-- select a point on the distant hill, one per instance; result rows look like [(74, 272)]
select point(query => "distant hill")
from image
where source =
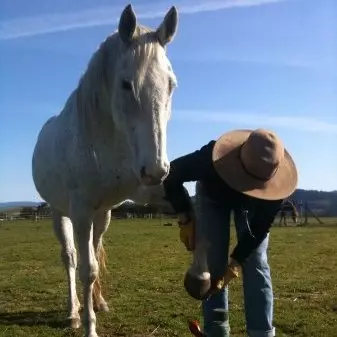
[(321, 202), (17, 204)]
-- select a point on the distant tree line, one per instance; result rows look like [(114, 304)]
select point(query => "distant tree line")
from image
[(128, 209), (320, 202)]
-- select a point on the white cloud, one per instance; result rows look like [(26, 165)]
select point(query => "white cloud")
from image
[(299, 123), (100, 16), (271, 58)]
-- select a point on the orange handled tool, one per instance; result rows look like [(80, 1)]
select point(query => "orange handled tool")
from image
[(195, 328)]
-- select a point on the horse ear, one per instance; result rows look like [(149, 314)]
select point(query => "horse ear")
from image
[(168, 27), (127, 24)]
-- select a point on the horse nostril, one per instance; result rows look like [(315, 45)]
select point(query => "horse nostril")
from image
[(143, 172), (154, 177)]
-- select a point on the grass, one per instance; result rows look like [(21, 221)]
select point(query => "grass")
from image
[(144, 285)]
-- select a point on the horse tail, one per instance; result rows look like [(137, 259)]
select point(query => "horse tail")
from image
[(102, 259), (102, 262)]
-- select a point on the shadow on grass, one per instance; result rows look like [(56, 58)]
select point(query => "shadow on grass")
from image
[(54, 319)]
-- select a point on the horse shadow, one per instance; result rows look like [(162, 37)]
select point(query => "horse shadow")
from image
[(54, 319)]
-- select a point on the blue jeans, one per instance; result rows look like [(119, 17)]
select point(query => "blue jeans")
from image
[(213, 221)]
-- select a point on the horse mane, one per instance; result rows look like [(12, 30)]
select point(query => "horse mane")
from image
[(93, 92), (93, 84)]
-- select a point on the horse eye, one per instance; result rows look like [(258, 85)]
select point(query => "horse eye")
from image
[(126, 85), (170, 85)]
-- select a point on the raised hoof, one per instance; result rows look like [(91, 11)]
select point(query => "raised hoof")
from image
[(74, 323)]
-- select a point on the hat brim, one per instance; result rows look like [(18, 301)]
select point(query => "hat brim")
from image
[(226, 161)]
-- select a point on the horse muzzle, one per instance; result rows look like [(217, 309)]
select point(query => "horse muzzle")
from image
[(201, 287), (197, 287)]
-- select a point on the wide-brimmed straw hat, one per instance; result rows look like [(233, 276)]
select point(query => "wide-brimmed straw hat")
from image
[(255, 162)]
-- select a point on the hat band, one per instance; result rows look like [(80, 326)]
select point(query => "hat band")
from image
[(264, 179)]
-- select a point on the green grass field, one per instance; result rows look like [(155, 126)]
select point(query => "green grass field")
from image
[(144, 284)]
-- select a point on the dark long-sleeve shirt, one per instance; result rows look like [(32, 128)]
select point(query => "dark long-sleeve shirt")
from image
[(198, 166)]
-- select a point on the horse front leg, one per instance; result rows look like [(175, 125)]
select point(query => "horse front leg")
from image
[(101, 224), (63, 230), (88, 268)]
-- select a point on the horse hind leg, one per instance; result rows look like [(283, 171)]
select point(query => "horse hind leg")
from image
[(101, 223), (64, 232)]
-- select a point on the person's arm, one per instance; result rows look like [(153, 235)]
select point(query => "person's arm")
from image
[(191, 167), (257, 230)]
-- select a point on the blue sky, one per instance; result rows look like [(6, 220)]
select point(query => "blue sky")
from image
[(239, 64)]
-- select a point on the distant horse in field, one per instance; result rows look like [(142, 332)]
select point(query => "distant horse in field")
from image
[(109, 139), (286, 207), (37, 211)]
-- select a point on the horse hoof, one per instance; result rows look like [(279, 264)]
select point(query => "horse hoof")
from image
[(74, 323), (102, 307)]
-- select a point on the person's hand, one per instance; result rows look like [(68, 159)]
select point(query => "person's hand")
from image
[(187, 231), (232, 272)]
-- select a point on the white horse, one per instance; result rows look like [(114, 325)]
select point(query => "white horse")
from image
[(109, 139)]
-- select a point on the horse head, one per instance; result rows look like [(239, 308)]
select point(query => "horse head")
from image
[(143, 85)]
